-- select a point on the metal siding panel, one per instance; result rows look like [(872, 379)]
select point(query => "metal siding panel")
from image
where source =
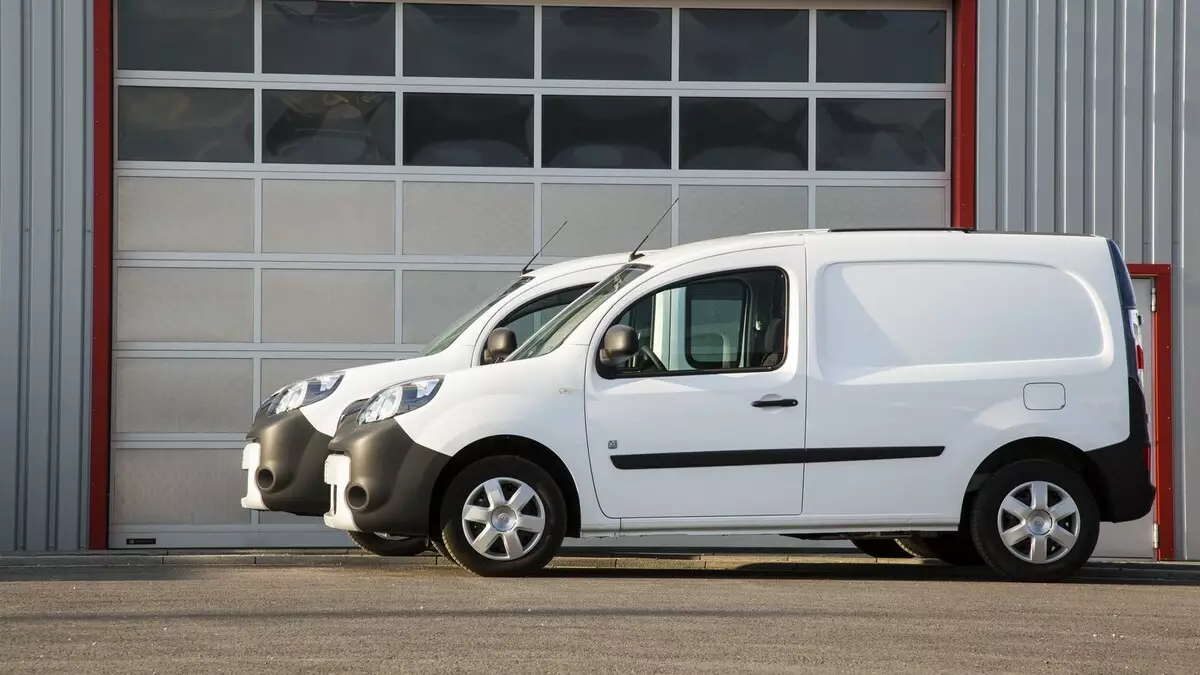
[(989, 55), (11, 109), (73, 168), (1014, 80), (1186, 282), (40, 300), (1160, 165), (1071, 210), (1101, 119), (1131, 144), (1043, 74)]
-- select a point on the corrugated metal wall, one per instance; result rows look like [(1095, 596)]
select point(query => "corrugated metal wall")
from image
[(1088, 122), (45, 134)]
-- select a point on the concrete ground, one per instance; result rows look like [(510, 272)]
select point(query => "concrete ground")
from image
[(582, 617)]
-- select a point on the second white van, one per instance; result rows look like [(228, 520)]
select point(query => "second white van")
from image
[(979, 391)]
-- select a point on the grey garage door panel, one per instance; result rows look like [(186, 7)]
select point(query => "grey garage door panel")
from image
[(603, 218), (432, 300), (707, 211), (455, 218), (882, 206), (334, 306), (329, 216), (185, 214), (166, 487), (182, 395), (162, 304)]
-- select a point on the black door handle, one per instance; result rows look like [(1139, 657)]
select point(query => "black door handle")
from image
[(775, 403)]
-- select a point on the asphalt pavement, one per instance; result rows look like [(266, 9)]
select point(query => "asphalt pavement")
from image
[(438, 619)]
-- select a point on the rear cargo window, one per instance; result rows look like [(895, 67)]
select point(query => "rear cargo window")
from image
[(872, 316)]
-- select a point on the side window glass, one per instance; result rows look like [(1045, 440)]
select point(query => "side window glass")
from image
[(735, 321), (528, 318)]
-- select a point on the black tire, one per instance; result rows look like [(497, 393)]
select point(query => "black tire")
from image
[(986, 522), (385, 546), (505, 468), (950, 548), (880, 548), (440, 547)]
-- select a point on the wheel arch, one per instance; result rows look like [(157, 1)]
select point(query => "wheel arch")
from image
[(519, 446), (1037, 447)]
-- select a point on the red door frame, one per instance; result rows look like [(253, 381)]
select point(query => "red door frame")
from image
[(1161, 422), (102, 229), (962, 215)]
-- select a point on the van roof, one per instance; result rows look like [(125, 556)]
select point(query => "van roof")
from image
[(743, 242)]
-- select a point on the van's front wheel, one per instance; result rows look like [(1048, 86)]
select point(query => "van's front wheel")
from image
[(503, 516), (1035, 520)]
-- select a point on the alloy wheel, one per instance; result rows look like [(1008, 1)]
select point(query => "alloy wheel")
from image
[(503, 518)]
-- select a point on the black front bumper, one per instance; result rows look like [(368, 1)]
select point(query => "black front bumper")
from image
[(291, 471), (392, 478)]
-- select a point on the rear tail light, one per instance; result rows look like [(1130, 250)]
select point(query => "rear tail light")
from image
[(1147, 458)]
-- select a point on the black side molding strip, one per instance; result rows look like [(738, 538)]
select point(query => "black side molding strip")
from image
[(693, 460)]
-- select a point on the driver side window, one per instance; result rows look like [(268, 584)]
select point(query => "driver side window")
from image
[(525, 320), (733, 321)]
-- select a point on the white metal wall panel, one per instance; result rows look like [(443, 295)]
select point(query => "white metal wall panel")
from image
[(45, 124), (1088, 123)]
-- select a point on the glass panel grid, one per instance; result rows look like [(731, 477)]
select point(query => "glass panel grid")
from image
[(673, 70)]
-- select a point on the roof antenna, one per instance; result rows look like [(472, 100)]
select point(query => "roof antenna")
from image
[(525, 269), (634, 255)]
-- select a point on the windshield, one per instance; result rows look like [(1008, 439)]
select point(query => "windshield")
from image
[(451, 334), (550, 336)]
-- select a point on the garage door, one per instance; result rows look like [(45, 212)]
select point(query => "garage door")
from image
[(302, 186)]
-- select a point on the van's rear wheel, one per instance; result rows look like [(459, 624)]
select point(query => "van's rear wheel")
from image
[(880, 548), (503, 516), (1035, 520), (389, 545)]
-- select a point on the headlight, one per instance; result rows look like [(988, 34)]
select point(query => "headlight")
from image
[(300, 394), (399, 399)]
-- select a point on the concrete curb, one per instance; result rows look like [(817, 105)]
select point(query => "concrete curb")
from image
[(799, 565)]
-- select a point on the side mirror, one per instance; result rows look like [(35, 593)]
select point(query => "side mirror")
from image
[(620, 344), (501, 342)]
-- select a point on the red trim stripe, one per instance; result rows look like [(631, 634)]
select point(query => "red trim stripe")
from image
[(102, 200), (962, 150)]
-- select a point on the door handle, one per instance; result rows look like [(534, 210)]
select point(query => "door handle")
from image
[(775, 403)]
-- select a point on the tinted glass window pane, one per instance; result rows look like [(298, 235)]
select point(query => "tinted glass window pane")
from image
[(174, 124), (329, 37), (881, 135), (186, 35), (606, 43), (468, 130), (743, 45), (881, 46), (606, 132), (468, 41), (329, 127), (769, 134)]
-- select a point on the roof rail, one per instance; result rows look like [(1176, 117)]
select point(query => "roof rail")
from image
[(898, 229)]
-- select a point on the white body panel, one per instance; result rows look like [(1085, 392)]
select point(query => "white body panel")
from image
[(893, 379)]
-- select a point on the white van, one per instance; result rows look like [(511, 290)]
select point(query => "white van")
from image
[(980, 392), (285, 454)]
